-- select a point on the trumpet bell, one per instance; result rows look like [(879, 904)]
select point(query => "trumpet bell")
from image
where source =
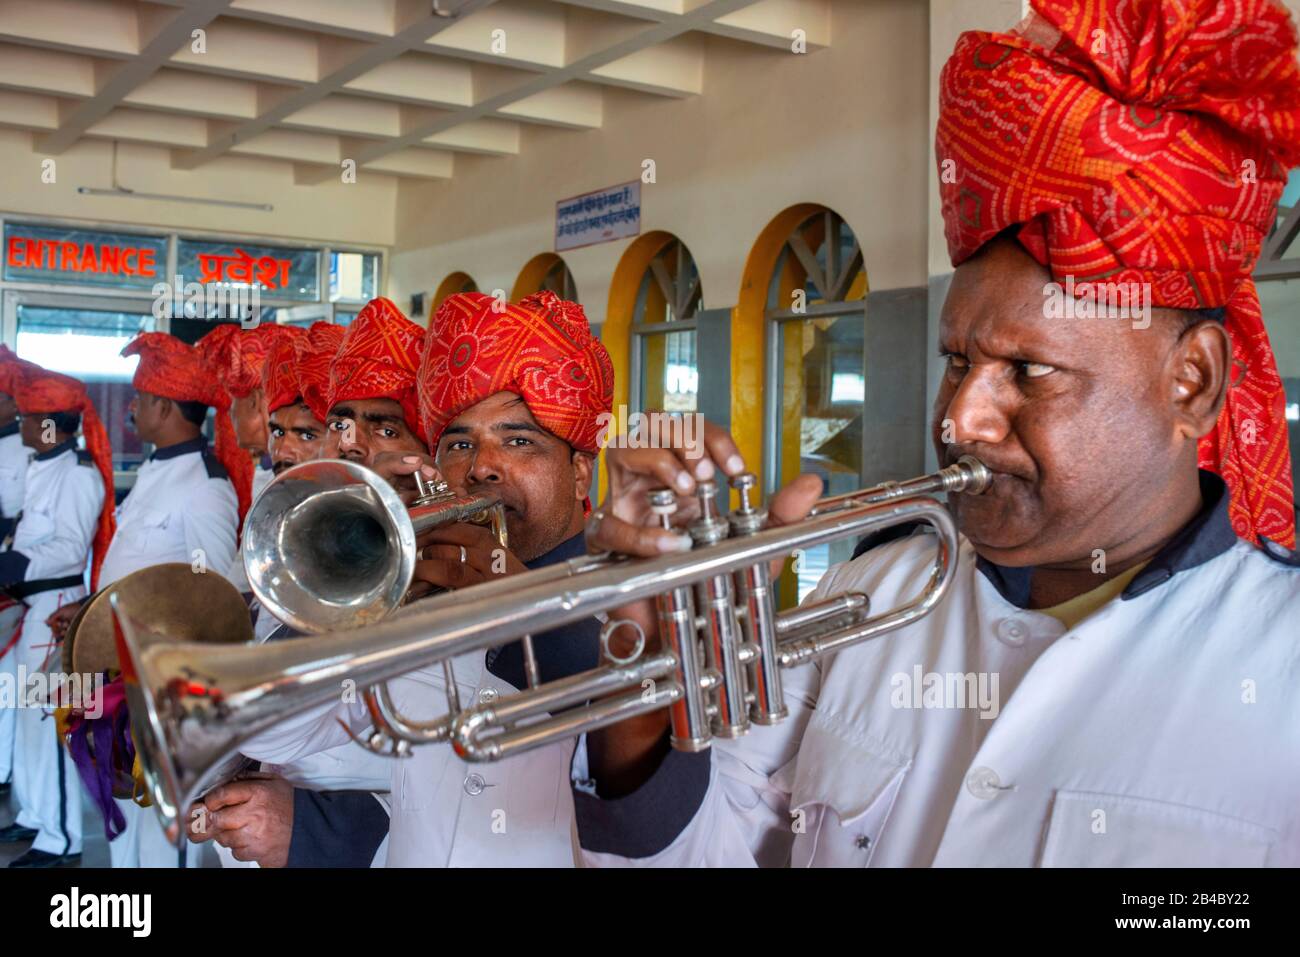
[(329, 545)]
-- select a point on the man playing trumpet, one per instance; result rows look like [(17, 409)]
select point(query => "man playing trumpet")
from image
[(1138, 613), (510, 399)]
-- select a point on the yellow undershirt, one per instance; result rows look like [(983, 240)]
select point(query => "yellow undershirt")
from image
[(1076, 609)]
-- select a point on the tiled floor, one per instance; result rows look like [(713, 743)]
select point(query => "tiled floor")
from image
[(94, 851)]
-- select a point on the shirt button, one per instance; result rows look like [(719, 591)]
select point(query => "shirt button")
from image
[(1011, 631), (487, 695), (983, 783), (474, 784)]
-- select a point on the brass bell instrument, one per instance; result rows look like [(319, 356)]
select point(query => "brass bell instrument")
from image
[(330, 545), (718, 669)]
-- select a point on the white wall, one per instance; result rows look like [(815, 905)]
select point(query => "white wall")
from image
[(844, 126), (361, 213)]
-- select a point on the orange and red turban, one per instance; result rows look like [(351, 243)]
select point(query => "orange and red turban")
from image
[(378, 359), (12, 369), (1138, 141), (541, 349), (236, 356), (316, 351), (280, 370), (173, 369), (38, 391)]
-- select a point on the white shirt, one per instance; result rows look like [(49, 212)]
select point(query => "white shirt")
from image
[(60, 512), (446, 812), (14, 457), (1163, 731), (182, 508)]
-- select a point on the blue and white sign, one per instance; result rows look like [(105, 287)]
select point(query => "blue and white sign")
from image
[(611, 213)]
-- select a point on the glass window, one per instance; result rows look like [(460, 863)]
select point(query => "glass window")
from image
[(670, 372), (822, 390), (354, 277), (58, 254), (278, 271), (86, 343)]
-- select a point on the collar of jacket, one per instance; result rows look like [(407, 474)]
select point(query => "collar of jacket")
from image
[(67, 445), (1208, 535), (180, 448)]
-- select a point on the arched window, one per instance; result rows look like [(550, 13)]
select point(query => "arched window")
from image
[(545, 271), (454, 283), (814, 387), (663, 337)]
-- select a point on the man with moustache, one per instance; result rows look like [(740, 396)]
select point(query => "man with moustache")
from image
[(363, 380), (341, 821), (67, 523), (1138, 612), (510, 401)]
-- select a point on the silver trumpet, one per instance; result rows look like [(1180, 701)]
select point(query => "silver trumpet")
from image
[(717, 670), (329, 545)]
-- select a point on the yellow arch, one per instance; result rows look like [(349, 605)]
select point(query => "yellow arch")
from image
[(454, 283), (616, 333), (530, 277), (748, 347)]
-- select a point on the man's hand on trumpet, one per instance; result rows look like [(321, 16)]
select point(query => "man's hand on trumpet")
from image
[(624, 755), (252, 816)]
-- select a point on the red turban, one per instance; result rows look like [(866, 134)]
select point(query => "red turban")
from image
[(378, 359), (280, 371), (12, 369), (40, 391), (172, 369), (316, 351), (236, 355), (540, 349), (1136, 141)]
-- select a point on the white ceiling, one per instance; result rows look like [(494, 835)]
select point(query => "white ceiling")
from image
[(387, 83)]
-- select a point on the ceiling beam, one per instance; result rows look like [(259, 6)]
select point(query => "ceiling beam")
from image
[(410, 37), (577, 70), (176, 32)]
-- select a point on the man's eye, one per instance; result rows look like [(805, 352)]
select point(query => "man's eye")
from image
[(520, 441), (457, 446), (956, 363), (339, 425), (307, 436), (278, 433), (388, 433), (1035, 370)]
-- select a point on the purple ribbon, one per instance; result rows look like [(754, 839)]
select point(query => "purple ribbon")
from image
[(111, 734)]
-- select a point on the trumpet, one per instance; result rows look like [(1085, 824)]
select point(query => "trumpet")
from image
[(329, 545), (717, 671)]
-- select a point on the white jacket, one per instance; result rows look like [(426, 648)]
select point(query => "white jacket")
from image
[(1162, 731)]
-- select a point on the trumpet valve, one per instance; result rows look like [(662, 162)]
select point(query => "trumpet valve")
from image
[(710, 527), (663, 504), (747, 519)]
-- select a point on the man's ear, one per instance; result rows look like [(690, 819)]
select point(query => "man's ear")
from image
[(1202, 363), (584, 466)]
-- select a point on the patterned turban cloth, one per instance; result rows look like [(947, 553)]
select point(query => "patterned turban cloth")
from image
[(541, 349), (315, 357), (12, 369), (280, 370), (378, 359), (236, 356), (173, 369), (38, 391), (1137, 141)]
